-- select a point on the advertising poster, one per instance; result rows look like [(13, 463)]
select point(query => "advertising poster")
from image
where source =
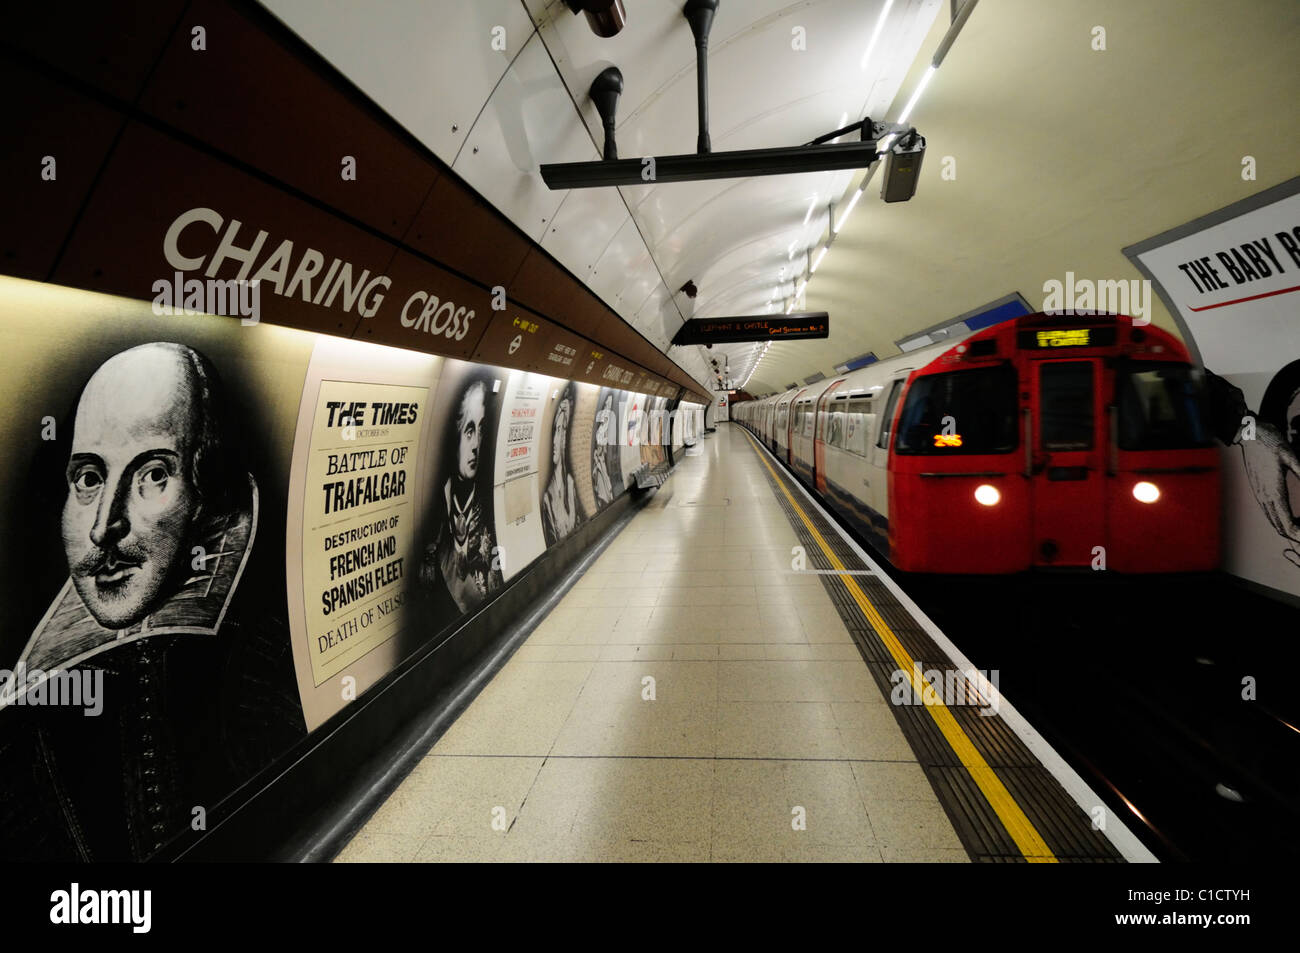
[(519, 522), (1232, 281), (461, 562), (606, 466), (148, 634), (357, 492), (561, 503), (521, 419), (652, 430), (633, 422), (580, 436)]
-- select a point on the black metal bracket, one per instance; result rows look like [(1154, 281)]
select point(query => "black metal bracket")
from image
[(820, 155)]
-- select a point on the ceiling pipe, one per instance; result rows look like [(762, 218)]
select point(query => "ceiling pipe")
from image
[(604, 92), (605, 17), (699, 14)]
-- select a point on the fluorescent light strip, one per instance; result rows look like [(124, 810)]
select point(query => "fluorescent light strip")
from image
[(818, 260), (811, 205), (911, 104), (857, 194), (875, 34)]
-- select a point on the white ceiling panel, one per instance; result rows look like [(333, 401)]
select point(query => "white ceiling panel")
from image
[(662, 315), (641, 279), (654, 51), (734, 238), (624, 252), (583, 227), (761, 91), (431, 66), (537, 8), (529, 120), (420, 61)]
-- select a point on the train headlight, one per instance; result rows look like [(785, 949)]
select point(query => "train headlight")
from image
[(987, 494), (1145, 492)]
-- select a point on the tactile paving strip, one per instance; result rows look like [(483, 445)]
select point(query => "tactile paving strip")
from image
[(1067, 830)]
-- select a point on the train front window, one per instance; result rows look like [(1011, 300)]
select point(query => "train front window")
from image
[(1065, 402), (1161, 407), (960, 412)]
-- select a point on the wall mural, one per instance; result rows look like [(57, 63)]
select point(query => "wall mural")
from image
[(232, 532), (606, 466), (461, 565), (1232, 281), (562, 510), (148, 669)]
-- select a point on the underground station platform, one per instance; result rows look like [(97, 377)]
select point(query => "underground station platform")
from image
[(732, 678), (574, 441)]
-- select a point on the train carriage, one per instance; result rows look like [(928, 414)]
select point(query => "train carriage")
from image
[(1049, 441)]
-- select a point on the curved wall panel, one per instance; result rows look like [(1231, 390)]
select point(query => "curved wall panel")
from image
[(350, 224), (236, 533)]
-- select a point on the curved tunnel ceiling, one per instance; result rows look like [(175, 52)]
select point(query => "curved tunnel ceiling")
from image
[(780, 73), (1063, 154)]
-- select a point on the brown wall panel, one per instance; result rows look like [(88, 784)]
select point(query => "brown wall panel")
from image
[(249, 96), (546, 288), (111, 46), (46, 119), (429, 309), (615, 334), (589, 314), (610, 370), (260, 96), (458, 228), (151, 179), (519, 338)]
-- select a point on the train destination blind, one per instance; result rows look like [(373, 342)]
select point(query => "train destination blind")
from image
[(1048, 338), (812, 324)]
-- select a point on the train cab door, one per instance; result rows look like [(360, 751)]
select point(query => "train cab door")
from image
[(1065, 457), (791, 423), (821, 434), (878, 451)]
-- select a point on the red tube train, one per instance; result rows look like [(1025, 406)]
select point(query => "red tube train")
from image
[(1045, 441)]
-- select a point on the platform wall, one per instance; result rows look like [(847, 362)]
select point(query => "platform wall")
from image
[(225, 535)]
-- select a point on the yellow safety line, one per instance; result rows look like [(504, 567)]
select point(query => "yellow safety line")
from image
[(1021, 829)]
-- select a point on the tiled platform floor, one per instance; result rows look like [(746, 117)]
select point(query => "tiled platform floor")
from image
[(762, 712)]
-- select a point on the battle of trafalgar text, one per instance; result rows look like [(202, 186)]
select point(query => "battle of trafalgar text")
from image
[(364, 553)]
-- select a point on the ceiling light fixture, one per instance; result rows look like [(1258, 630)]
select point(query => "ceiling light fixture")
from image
[(857, 194), (875, 34), (916, 96)]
